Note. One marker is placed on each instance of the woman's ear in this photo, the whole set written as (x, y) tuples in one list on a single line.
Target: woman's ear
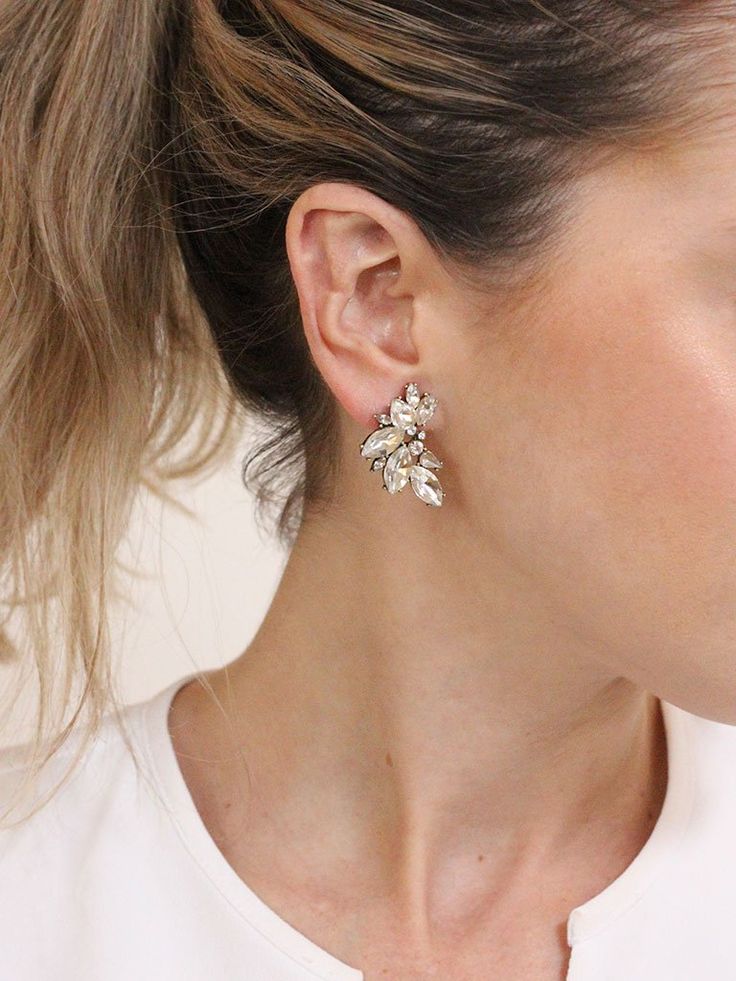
[(358, 267)]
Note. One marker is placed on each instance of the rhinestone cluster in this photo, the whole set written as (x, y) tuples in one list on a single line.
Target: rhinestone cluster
[(405, 462)]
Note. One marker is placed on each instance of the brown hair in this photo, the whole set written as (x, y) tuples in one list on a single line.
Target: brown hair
[(149, 156)]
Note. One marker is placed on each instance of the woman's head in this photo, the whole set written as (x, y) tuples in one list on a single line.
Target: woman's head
[(475, 119), (529, 212), (328, 198)]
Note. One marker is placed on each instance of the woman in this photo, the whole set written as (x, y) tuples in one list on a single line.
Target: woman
[(474, 264)]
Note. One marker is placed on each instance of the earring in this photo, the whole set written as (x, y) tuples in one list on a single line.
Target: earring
[(388, 451)]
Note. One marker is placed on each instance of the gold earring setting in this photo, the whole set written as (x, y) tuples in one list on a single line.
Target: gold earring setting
[(403, 461)]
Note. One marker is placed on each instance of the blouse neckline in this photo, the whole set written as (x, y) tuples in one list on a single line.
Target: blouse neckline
[(660, 849), (584, 921), (203, 849)]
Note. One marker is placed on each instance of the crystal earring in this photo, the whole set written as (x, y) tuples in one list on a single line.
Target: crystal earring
[(388, 451)]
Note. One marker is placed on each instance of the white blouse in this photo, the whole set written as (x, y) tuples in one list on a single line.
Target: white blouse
[(118, 878)]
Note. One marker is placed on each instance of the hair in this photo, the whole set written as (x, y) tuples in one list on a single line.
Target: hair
[(149, 156)]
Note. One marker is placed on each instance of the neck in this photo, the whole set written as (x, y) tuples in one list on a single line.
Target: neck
[(442, 730)]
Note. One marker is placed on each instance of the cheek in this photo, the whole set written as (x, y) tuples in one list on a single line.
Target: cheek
[(622, 482), (657, 413)]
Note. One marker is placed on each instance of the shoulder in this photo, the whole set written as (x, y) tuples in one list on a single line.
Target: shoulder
[(99, 862), (83, 787), (712, 748), (713, 743), (700, 807)]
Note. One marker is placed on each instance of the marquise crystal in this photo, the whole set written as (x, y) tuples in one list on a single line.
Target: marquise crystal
[(402, 414), (426, 485), (406, 462), (382, 441), (425, 409), (396, 471)]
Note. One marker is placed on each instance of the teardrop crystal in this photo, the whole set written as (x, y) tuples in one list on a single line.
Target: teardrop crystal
[(425, 409), (425, 485), (395, 473), (402, 414), (428, 459), (412, 394), (381, 441)]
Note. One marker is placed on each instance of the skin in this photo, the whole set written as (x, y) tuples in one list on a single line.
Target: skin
[(446, 733)]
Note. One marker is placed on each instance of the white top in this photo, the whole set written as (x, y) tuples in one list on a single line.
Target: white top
[(118, 878)]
